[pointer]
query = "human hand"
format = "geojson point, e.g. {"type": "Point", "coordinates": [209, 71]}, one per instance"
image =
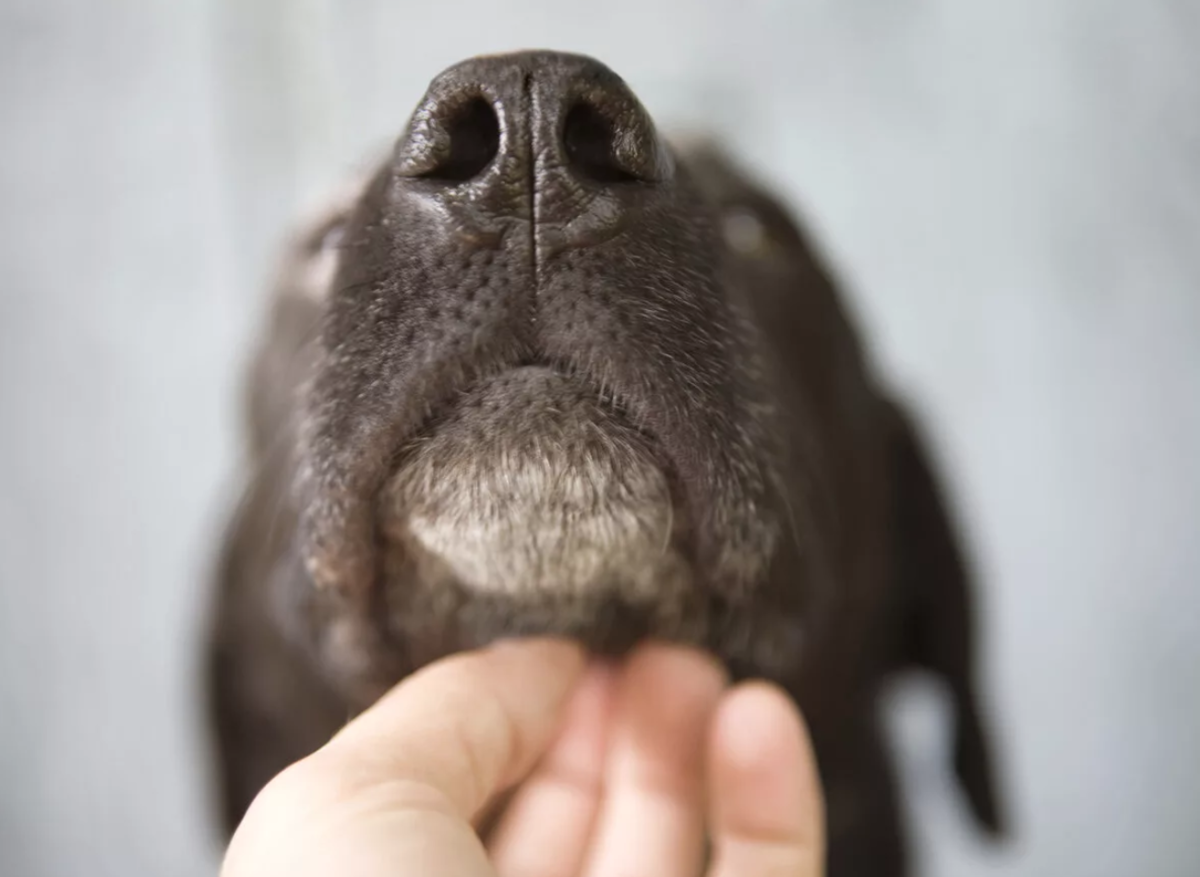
{"type": "Point", "coordinates": [623, 772]}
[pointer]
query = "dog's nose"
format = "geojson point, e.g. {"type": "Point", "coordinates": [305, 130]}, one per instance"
{"type": "Point", "coordinates": [529, 134]}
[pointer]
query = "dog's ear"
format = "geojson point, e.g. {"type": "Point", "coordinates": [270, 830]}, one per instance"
{"type": "Point", "coordinates": [266, 706]}
{"type": "Point", "coordinates": [940, 637]}
{"type": "Point", "coordinates": [245, 746]}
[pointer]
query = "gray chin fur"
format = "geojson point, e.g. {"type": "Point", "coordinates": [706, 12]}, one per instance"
{"type": "Point", "coordinates": [531, 488]}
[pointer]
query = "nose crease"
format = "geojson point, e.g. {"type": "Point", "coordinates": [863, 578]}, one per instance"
{"type": "Point", "coordinates": [529, 99]}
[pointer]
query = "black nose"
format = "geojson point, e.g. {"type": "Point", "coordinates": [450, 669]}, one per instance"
{"type": "Point", "coordinates": [500, 123]}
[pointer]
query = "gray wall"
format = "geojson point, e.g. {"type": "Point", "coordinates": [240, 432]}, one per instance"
{"type": "Point", "coordinates": [1011, 189]}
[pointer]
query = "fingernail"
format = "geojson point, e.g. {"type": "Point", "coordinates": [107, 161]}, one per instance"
{"type": "Point", "coordinates": [527, 643]}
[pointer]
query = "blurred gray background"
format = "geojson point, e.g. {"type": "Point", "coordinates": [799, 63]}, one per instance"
{"type": "Point", "coordinates": [1011, 191]}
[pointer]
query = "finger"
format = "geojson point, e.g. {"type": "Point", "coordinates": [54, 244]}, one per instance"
{"type": "Point", "coordinates": [652, 818]}
{"type": "Point", "coordinates": [400, 783]}
{"type": "Point", "coordinates": [545, 830]}
{"type": "Point", "coordinates": [767, 815]}
{"type": "Point", "coordinates": [467, 726]}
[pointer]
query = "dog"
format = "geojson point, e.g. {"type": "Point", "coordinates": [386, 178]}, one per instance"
{"type": "Point", "coordinates": [541, 372]}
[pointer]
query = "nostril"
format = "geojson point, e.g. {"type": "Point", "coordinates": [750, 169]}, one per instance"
{"type": "Point", "coordinates": [473, 132]}
{"type": "Point", "coordinates": [590, 139]}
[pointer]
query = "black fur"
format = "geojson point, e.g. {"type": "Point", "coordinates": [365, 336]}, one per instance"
{"type": "Point", "coordinates": [531, 223]}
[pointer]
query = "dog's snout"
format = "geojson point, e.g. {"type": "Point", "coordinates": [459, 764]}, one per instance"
{"type": "Point", "coordinates": [531, 217]}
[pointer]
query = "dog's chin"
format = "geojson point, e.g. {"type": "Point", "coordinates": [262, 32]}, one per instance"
{"type": "Point", "coordinates": [532, 491]}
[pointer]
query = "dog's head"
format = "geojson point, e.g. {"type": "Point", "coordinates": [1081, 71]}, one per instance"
{"type": "Point", "coordinates": [548, 388]}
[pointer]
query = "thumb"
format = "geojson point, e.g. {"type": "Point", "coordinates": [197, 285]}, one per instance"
{"type": "Point", "coordinates": [395, 791]}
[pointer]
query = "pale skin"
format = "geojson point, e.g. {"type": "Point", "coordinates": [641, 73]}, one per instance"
{"type": "Point", "coordinates": [620, 771]}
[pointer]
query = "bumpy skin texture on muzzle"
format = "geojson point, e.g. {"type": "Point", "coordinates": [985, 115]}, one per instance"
{"type": "Point", "coordinates": [539, 372]}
